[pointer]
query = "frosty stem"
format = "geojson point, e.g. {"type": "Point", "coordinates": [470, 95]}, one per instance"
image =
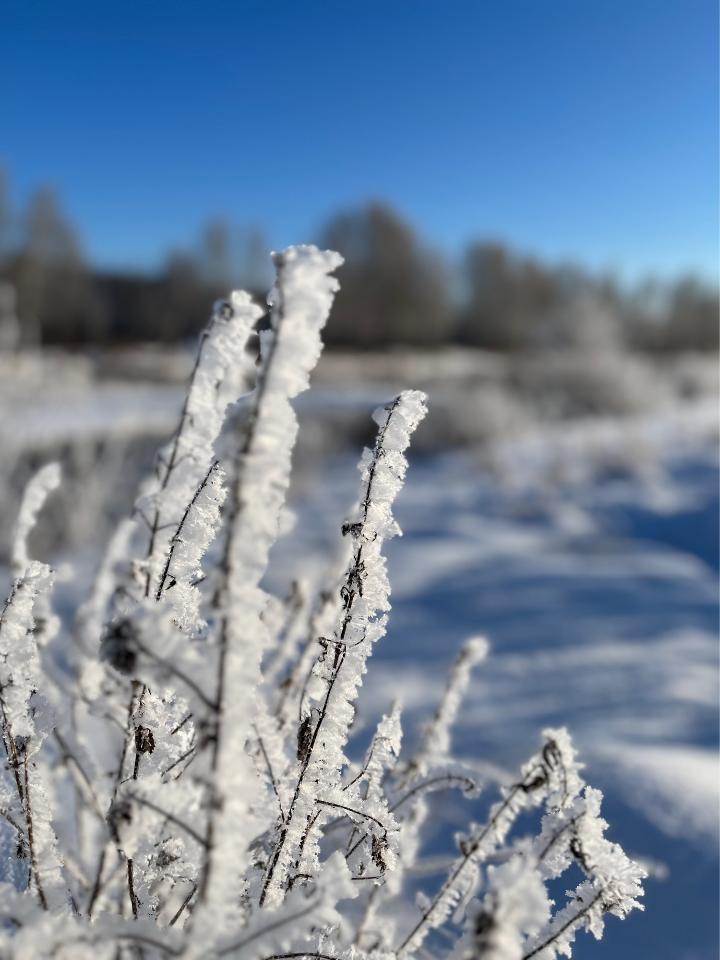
{"type": "Point", "coordinates": [365, 531]}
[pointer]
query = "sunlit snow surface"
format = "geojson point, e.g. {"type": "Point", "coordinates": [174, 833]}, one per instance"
{"type": "Point", "coordinates": [597, 590]}
{"type": "Point", "coordinates": [588, 555]}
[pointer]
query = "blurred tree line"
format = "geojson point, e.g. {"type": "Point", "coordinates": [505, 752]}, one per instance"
{"type": "Point", "coordinates": [395, 290]}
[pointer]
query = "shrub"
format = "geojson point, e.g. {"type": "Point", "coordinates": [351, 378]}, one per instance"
{"type": "Point", "coordinates": [177, 780]}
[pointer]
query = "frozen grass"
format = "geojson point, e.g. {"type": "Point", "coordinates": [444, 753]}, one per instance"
{"type": "Point", "coordinates": [592, 565]}
{"type": "Point", "coordinates": [584, 550]}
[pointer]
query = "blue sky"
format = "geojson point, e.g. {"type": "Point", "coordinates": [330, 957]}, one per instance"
{"type": "Point", "coordinates": [570, 128]}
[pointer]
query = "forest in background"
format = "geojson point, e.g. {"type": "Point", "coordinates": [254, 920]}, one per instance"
{"type": "Point", "coordinates": [396, 290]}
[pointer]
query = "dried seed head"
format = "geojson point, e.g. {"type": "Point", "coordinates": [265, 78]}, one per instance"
{"type": "Point", "coordinates": [118, 646]}
{"type": "Point", "coordinates": [304, 737]}
{"type": "Point", "coordinates": [144, 740]}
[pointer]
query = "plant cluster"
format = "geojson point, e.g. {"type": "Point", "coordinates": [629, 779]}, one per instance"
{"type": "Point", "coordinates": [179, 780]}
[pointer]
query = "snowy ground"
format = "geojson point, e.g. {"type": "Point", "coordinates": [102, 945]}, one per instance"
{"type": "Point", "coordinates": [598, 592]}
{"type": "Point", "coordinates": [586, 552]}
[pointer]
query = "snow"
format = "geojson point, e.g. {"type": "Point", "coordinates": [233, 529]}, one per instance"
{"type": "Point", "coordinates": [36, 493]}
{"type": "Point", "coordinates": [677, 787]}
{"type": "Point", "coordinates": [596, 585]}
{"type": "Point", "coordinates": [587, 553]}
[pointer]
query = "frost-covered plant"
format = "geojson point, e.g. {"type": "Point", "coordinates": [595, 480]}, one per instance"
{"type": "Point", "coordinates": [181, 779]}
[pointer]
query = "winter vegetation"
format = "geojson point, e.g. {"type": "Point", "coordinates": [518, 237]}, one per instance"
{"type": "Point", "coordinates": [186, 773]}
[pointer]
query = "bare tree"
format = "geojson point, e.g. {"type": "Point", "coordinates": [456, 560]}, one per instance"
{"type": "Point", "coordinates": [394, 290]}
{"type": "Point", "coordinates": [56, 296]}
{"type": "Point", "coordinates": [506, 296]}
{"type": "Point", "coordinates": [681, 317]}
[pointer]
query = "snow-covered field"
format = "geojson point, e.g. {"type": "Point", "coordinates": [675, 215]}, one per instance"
{"type": "Point", "coordinates": [598, 592]}
{"type": "Point", "coordinates": [586, 551]}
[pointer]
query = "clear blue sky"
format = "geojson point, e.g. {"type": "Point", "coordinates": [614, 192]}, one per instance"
{"type": "Point", "coordinates": [583, 129]}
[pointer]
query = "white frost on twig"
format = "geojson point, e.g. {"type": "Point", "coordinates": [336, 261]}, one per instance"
{"type": "Point", "coordinates": [37, 490]}
{"type": "Point", "coordinates": [204, 811]}
{"type": "Point", "coordinates": [300, 304]}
